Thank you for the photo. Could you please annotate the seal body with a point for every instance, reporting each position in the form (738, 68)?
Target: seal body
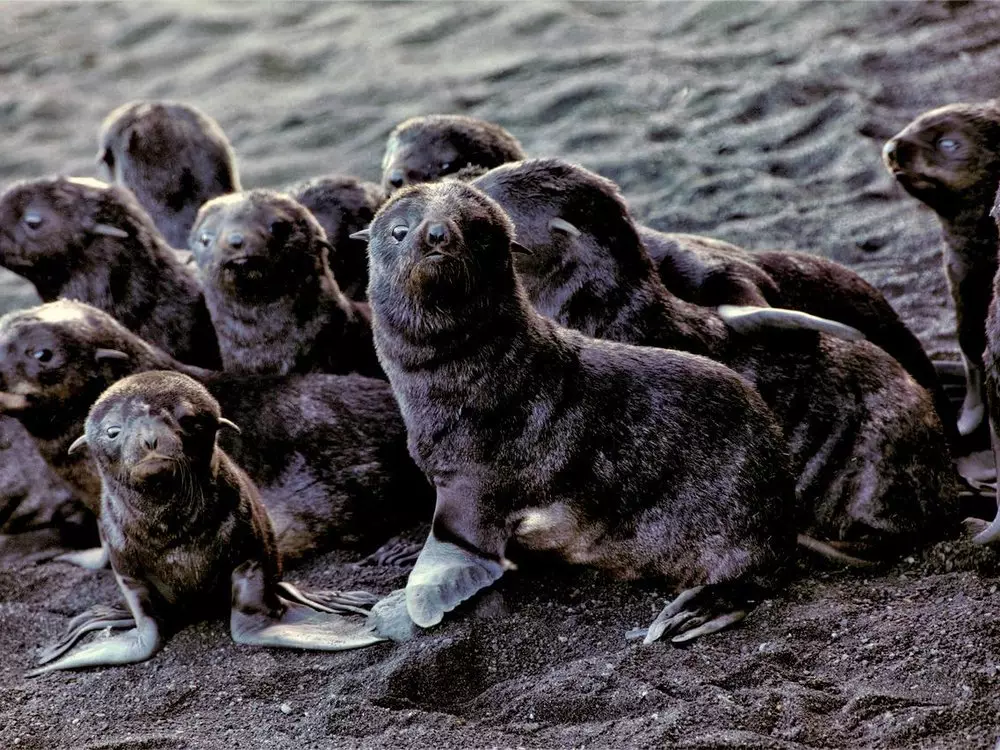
(424, 149)
(948, 159)
(343, 205)
(86, 240)
(868, 450)
(172, 156)
(328, 453)
(275, 304)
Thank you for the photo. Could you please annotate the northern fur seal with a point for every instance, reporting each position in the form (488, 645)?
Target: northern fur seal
(188, 536)
(327, 452)
(634, 460)
(86, 240)
(343, 205)
(275, 304)
(172, 156)
(873, 467)
(424, 149)
(948, 159)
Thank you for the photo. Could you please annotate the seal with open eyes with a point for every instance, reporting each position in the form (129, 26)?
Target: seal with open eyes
(424, 149)
(948, 159)
(187, 534)
(172, 156)
(873, 467)
(86, 240)
(343, 205)
(275, 304)
(638, 461)
(327, 452)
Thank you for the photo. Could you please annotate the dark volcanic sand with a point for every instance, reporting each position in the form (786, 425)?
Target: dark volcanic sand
(758, 124)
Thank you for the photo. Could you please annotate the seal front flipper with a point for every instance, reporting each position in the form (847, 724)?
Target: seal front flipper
(747, 319)
(262, 618)
(98, 617)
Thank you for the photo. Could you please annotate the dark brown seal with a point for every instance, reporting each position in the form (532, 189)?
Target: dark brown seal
(949, 159)
(187, 533)
(274, 302)
(86, 240)
(327, 452)
(635, 460)
(424, 149)
(874, 471)
(172, 156)
(343, 205)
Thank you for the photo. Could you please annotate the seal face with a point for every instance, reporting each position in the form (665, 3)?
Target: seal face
(172, 156)
(424, 149)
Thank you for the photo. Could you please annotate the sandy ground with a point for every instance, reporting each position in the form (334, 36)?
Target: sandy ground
(760, 124)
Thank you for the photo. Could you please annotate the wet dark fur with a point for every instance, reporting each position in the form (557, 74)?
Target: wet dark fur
(866, 445)
(138, 279)
(959, 186)
(343, 205)
(991, 355)
(172, 156)
(275, 304)
(182, 532)
(424, 149)
(327, 452)
(646, 462)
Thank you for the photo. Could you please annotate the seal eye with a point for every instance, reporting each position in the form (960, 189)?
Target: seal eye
(444, 166)
(948, 144)
(399, 232)
(113, 432)
(205, 238)
(32, 219)
(42, 355)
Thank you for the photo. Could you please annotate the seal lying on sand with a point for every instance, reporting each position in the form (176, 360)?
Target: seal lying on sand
(172, 156)
(424, 149)
(343, 205)
(187, 533)
(275, 304)
(86, 240)
(949, 159)
(873, 467)
(638, 461)
(327, 452)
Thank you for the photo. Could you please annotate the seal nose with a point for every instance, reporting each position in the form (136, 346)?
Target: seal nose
(396, 178)
(889, 151)
(235, 240)
(149, 440)
(437, 234)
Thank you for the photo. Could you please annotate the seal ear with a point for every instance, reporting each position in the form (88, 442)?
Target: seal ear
(102, 354)
(363, 235)
(77, 445)
(517, 247)
(559, 224)
(223, 422)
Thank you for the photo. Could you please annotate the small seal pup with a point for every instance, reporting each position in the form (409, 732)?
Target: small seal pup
(873, 467)
(172, 156)
(275, 304)
(187, 533)
(327, 452)
(634, 460)
(343, 205)
(949, 160)
(424, 149)
(84, 239)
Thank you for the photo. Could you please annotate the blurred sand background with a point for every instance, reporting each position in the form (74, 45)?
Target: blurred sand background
(760, 124)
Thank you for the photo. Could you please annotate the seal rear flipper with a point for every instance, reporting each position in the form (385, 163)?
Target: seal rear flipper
(339, 602)
(444, 576)
(96, 558)
(697, 611)
(747, 319)
(98, 617)
(396, 552)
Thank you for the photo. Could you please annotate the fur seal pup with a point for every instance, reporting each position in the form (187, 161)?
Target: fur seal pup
(172, 156)
(275, 304)
(343, 205)
(949, 160)
(327, 452)
(873, 467)
(187, 533)
(634, 460)
(424, 149)
(84, 239)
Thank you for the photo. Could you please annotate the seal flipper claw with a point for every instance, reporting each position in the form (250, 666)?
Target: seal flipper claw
(98, 617)
(695, 612)
(341, 602)
(712, 626)
(395, 552)
(444, 576)
(748, 318)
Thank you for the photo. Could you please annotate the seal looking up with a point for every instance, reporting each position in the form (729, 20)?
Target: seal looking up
(187, 533)
(86, 240)
(275, 304)
(873, 467)
(949, 160)
(172, 156)
(424, 149)
(634, 460)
